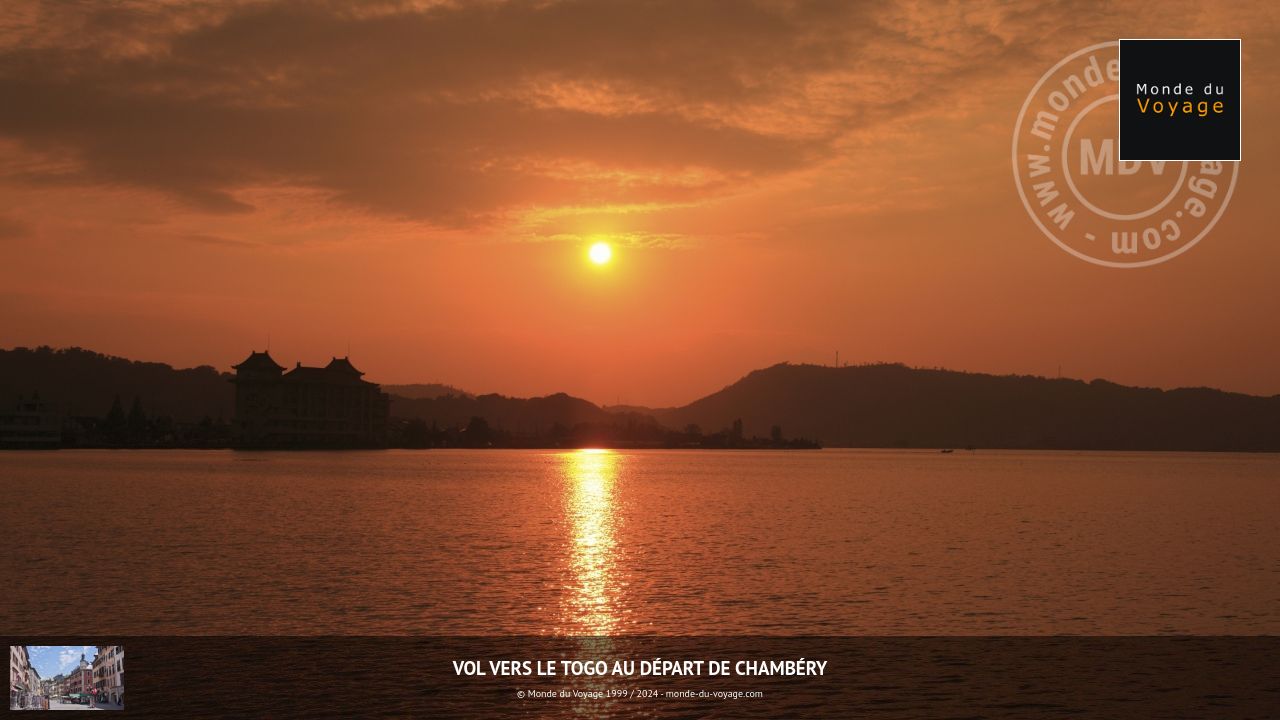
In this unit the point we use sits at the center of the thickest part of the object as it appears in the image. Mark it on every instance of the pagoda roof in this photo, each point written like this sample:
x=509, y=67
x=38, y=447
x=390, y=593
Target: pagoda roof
x=258, y=361
x=343, y=364
x=324, y=375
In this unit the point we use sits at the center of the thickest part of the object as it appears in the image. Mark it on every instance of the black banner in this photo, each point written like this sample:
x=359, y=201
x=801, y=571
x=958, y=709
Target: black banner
x=755, y=677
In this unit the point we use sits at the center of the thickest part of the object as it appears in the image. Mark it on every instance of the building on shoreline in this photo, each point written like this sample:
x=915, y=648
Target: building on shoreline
x=30, y=423
x=330, y=406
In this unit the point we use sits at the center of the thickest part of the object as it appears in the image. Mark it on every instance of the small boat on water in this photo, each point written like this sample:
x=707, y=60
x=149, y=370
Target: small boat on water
x=947, y=450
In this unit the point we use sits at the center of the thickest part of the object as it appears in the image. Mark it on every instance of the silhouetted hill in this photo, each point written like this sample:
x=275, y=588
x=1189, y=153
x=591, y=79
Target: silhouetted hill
x=862, y=406
x=897, y=406
x=421, y=391
x=522, y=416
x=632, y=409
x=83, y=382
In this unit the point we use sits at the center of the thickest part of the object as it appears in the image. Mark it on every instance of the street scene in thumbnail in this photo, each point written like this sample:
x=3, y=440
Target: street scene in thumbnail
x=66, y=677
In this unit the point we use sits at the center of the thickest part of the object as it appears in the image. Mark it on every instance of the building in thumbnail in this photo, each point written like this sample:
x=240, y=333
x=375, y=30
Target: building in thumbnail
x=108, y=674
x=25, y=685
x=18, y=664
x=330, y=406
x=99, y=673
x=36, y=697
x=80, y=680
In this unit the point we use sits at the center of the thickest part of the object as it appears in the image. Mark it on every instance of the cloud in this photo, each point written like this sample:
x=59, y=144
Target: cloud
x=448, y=114
x=67, y=659
x=465, y=115
x=455, y=114
x=12, y=228
x=206, y=239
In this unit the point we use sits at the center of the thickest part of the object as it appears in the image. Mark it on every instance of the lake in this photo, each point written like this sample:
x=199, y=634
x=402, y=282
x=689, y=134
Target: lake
x=451, y=542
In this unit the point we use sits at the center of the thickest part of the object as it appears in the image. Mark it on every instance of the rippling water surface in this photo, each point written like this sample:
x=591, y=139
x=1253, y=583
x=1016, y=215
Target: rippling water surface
x=587, y=543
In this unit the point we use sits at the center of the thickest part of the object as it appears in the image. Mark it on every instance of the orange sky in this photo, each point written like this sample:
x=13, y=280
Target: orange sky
x=780, y=181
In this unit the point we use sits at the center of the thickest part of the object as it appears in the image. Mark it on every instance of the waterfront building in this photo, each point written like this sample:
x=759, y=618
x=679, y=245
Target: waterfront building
x=30, y=423
x=330, y=406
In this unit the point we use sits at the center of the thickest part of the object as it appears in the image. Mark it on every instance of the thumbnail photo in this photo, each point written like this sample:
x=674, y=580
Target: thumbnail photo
x=66, y=677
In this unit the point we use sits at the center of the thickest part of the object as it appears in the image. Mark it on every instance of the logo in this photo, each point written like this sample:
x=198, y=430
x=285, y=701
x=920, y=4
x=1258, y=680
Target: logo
x=1104, y=210
x=1180, y=100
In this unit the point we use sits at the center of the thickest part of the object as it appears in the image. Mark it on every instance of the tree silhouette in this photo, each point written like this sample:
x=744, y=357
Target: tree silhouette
x=113, y=427
x=477, y=432
x=137, y=421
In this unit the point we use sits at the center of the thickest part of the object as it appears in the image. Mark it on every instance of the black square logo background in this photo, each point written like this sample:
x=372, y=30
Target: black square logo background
x=1159, y=136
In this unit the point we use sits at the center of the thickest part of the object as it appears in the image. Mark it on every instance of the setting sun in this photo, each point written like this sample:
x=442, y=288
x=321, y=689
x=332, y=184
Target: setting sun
x=600, y=253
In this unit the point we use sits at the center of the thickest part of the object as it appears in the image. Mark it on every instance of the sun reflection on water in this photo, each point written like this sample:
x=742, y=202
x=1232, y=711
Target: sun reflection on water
x=591, y=604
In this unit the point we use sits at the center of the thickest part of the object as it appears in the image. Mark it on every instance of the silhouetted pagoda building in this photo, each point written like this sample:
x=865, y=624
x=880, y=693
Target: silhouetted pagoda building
x=330, y=406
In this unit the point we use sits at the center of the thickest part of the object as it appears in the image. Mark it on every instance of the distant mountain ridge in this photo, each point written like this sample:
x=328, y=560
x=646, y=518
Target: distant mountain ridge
x=892, y=405
x=427, y=391
x=884, y=405
x=526, y=416
x=82, y=382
